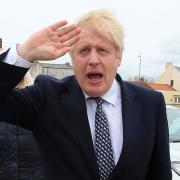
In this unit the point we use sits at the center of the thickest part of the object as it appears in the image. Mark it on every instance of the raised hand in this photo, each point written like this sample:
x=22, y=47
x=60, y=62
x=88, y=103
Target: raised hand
x=49, y=43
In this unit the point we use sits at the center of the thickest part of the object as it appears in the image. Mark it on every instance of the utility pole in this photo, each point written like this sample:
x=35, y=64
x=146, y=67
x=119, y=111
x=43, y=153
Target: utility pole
x=140, y=58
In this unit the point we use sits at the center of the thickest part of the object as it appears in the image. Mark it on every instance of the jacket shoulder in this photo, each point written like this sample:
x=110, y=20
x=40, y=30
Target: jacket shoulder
x=45, y=80
x=142, y=91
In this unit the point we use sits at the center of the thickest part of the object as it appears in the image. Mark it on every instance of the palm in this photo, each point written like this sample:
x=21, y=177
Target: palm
x=51, y=42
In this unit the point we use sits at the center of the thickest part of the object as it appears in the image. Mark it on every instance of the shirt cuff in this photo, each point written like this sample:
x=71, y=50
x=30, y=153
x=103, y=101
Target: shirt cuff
x=14, y=59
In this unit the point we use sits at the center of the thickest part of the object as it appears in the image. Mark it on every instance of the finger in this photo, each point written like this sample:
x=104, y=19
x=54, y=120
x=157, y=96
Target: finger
x=63, y=51
x=65, y=30
x=70, y=35
x=71, y=41
x=58, y=25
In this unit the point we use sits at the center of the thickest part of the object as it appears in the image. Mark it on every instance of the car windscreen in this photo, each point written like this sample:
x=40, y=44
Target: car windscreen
x=173, y=115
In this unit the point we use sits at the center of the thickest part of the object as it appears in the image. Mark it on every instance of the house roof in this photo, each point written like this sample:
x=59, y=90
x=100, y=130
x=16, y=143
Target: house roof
x=154, y=86
x=178, y=68
x=164, y=87
x=144, y=84
x=56, y=66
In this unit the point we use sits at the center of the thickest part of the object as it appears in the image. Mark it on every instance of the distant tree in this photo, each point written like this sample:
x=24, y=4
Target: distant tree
x=142, y=79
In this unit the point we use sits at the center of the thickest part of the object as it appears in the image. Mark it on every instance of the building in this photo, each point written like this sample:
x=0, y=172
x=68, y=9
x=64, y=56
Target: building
x=56, y=70
x=171, y=95
x=171, y=76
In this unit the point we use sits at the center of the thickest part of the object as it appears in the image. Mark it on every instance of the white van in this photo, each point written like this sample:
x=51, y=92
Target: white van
x=173, y=115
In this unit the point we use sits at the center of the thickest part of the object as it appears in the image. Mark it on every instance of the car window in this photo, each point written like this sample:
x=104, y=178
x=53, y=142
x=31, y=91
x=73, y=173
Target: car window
x=173, y=115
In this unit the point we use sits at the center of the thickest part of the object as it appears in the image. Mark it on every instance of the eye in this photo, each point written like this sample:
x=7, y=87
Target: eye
x=84, y=51
x=102, y=50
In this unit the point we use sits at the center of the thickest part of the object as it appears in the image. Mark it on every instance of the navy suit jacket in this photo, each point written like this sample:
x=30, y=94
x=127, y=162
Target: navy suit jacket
x=55, y=111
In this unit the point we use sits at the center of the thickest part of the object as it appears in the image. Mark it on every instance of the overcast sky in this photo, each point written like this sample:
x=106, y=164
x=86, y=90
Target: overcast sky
x=152, y=27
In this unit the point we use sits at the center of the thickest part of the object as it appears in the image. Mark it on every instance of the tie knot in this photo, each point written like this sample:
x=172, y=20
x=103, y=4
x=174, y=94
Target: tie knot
x=99, y=101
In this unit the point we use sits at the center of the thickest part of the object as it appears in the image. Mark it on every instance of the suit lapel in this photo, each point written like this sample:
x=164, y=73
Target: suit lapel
x=74, y=103
x=130, y=116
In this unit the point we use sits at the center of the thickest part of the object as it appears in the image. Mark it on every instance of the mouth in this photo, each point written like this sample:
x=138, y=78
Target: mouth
x=95, y=76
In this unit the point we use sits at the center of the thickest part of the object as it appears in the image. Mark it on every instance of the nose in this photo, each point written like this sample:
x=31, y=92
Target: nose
x=93, y=59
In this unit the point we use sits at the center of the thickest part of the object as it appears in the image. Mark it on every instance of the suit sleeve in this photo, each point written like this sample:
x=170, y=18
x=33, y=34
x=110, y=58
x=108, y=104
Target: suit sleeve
x=14, y=106
x=160, y=165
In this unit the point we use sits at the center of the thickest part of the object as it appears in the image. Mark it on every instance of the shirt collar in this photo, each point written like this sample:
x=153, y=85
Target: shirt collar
x=111, y=95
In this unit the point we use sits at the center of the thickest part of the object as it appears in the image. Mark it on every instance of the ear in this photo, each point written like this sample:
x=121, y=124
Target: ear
x=71, y=56
x=119, y=56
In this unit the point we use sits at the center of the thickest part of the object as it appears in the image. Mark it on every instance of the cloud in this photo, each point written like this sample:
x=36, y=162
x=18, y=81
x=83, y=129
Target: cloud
x=172, y=47
x=150, y=27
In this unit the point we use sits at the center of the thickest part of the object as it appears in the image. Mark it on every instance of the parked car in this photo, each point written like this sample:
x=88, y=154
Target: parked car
x=173, y=115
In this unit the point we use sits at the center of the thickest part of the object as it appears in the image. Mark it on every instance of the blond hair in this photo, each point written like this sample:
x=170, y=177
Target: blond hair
x=26, y=81
x=104, y=22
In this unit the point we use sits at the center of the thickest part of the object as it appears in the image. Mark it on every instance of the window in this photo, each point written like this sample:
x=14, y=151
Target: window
x=172, y=83
x=177, y=99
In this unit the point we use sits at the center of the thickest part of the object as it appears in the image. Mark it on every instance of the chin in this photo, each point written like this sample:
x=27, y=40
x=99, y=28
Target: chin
x=94, y=92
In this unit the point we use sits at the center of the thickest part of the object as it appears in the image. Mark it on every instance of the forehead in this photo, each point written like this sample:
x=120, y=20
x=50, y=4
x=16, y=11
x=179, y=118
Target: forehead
x=89, y=35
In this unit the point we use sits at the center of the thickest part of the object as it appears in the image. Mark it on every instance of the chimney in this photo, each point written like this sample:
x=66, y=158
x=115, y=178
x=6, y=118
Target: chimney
x=169, y=65
x=0, y=43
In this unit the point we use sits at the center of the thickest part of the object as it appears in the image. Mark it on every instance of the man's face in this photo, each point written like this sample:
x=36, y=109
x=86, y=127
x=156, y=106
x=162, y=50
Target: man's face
x=95, y=61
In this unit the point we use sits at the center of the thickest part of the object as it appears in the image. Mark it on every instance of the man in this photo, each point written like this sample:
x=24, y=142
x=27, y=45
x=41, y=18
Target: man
x=91, y=125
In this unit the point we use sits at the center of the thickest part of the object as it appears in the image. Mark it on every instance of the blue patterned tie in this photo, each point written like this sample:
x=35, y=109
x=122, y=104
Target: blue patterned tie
x=103, y=146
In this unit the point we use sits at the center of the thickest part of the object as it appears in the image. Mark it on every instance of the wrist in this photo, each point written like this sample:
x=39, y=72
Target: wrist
x=24, y=52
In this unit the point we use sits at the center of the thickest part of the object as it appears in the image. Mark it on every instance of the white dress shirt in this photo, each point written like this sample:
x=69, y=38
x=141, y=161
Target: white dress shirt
x=14, y=59
x=112, y=106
